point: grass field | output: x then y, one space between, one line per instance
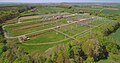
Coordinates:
45 34
46 37
44 10
116 36
111 11
39 48
27 27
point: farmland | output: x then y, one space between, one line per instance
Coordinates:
60 33
48 31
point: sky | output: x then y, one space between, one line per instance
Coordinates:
58 1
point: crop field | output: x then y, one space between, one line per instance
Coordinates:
45 31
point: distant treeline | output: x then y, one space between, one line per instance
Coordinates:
8 13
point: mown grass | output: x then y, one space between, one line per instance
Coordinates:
39 48
32 20
116 36
15 20
35 48
45 10
72 29
111 11
92 9
20 28
46 37
21 31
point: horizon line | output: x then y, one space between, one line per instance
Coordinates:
59 2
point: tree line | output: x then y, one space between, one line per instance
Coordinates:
12 12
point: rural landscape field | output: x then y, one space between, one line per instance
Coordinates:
62 32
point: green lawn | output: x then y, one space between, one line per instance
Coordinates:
35 48
45 10
116 36
28 27
73 29
38 48
111 11
46 37
23 30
